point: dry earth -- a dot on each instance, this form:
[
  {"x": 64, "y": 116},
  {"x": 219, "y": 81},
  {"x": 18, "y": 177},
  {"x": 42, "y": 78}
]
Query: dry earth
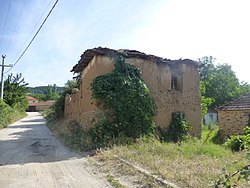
[{"x": 30, "y": 156}]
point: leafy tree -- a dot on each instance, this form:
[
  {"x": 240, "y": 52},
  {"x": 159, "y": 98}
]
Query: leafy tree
[
  {"x": 205, "y": 101},
  {"x": 52, "y": 93},
  {"x": 57, "y": 110},
  {"x": 207, "y": 67},
  {"x": 15, "y": 91},
  {"x": 220, "y": 82}
]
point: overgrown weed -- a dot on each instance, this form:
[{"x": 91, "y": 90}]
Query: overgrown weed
[{"x": 192, "y": 163}]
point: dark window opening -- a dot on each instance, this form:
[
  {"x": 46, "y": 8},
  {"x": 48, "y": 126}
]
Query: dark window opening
[
  {"x": 176, "y": 82},
  {"x": 173, "y": 82}
]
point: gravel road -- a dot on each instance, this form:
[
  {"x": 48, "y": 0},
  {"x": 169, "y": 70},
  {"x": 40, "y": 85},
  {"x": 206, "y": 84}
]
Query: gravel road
[{"x": 30, "y": 156}]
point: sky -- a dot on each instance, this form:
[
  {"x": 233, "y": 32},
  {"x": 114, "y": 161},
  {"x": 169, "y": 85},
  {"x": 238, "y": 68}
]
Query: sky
[{"x": 171, "y": 29}]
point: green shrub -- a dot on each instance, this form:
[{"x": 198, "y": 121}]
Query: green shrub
[
  {"x": 211, "y": 134},
  {"x": 79, "y": 138},
  {"x": 5, "y": 114},
  {"x": 9, "y": 114},
  {"x": 56, "y": 111},
  {"x": 178, "y": 129},
  {"x": 239, "y": 142},
  {"x": 129, "y": 108}
]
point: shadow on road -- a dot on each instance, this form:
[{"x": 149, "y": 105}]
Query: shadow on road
[{"x": 30, "y": 141}]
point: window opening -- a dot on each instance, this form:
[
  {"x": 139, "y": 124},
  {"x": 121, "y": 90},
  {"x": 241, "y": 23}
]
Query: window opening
[{"x": 173, "y": 82}]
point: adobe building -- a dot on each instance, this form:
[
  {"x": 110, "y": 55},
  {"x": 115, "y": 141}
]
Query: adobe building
[
  {"x": 234, "y": 116},
  {"x": 174, "y": 85}
]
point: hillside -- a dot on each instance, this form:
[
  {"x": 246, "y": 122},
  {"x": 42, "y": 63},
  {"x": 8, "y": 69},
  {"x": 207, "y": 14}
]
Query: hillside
[{"x": 44, "y": 89}]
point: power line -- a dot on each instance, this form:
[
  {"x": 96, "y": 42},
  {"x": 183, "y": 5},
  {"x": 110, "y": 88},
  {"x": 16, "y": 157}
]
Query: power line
[
  {"x": 33, "y": 28},
  {"x": 5, "y": 22},
  {"x": 34, "y": 36},
  {"x": 18, "y": 19}
]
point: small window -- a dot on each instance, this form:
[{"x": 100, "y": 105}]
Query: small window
[
  {"x": 173, "y": 82},
  {"x": 176, "y": 82}
]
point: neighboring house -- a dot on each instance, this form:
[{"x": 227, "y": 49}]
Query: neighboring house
[
  {"x": 174, "y": 85},
  {"x": 234, "y": 116},
  {"x": 35, "y": 106},
  {"x": 31, "y": 99},
  {"x": 211, "y": 118}
]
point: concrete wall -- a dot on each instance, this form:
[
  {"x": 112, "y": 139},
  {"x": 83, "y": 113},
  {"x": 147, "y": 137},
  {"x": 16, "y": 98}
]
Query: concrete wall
[
  {"x": 157, "y": 76},
  {"x": 232, "y": 122}
]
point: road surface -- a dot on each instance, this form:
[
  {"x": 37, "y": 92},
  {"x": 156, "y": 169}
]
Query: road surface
[{"x": 30, "y": 156}]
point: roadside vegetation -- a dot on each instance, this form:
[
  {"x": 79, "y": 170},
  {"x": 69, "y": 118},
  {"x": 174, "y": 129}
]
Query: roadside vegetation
[
  {"x": 45, "y": 93},
  {"x": 14, "y": 104},
  {"x": 126, "y": 132}
]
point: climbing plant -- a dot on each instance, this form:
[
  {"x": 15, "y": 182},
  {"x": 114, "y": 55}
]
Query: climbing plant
[
  {"x": 178, "y": 129},
  {"x": 124, "y": 97}
]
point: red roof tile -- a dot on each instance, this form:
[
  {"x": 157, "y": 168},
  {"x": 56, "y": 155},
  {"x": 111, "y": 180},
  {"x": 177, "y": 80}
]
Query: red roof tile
[{"x": 31, "y": 98}]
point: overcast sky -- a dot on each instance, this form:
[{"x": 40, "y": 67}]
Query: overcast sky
[{"x": 168, "y": 28}]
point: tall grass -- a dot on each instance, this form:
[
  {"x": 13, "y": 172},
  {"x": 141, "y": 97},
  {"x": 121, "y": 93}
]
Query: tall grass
[{"x": 193, "y": 163}]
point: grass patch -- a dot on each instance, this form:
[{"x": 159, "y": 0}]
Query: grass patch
[
  {"x": 190, "y": 164},
  {"x": 193, "y": 163},
  {"x": 114, "y": 182}
]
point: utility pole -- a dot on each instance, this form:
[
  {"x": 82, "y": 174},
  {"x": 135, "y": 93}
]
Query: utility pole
[{"x": 2, "y": 81}]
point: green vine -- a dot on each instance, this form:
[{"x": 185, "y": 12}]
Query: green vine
[
  {"x": 129, "y": 108},
  {"x": 178, "y": 129}
]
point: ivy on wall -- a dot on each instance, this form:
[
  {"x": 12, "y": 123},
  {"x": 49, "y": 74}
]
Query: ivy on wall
[{"x": 129, "y": 109}]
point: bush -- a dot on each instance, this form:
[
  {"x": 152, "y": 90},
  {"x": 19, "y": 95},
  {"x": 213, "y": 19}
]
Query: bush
[
  {"x": 211, "y": 134},
  {"x": 9, "y": 114},
  {"x": 56, "y": 111},
  {"x": 239, "y": 142},
  {"x": 5, "y": 114},
  {"x": 79, "y": 138},
  {"x": 178, "y": 129}
]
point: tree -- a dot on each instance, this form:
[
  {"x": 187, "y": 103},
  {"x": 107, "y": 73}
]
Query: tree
[
  {"x": 15, "y": 91},
  {"x": 205, "y": 101},
  {"x": 57, "y": 110},
  {"x": 52, "y": 93},
  {"x": 207, "y": 67},
  {"x": 220, "y": 82}
]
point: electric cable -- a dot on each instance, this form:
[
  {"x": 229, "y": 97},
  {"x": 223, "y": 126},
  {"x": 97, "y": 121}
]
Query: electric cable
[
  {"x": 14, "y": 30},
  {"x": 6, "y": 17},
  {"x": 33, "y": 37},
  {"x": 33, "y": 30}
]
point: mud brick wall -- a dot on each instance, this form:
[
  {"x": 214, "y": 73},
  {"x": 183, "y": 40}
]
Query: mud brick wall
[
  {"x": 186, "y": 98},
  {"x": 232, "y": 122}
]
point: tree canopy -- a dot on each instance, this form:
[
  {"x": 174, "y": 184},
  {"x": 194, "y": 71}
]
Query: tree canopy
[
  {"x": 15, "y": 91},
  {"x": 219, "y": 82}
]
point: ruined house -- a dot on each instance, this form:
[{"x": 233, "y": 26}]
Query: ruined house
[
  {"x": 234, "y": 116},
  {"x": 174, "y": 85}
]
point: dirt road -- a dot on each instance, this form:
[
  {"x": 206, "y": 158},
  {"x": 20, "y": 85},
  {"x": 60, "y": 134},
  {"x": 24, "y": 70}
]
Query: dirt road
[{"x": 30, "y": 156}]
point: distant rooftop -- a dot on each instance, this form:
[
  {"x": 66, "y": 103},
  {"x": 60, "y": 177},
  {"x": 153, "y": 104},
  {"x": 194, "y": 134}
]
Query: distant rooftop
[
  {"x": 88, "y": 55},
  {"x": 243, "y": 103},
  {"x": 31, "y": 98}
]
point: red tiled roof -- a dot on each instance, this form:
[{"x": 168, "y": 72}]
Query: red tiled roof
[
  {"x": 31, "y": 98},
  {"x": 243, "y": 103}
]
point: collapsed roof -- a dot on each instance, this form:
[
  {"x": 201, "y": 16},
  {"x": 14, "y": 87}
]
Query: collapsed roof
[{"x": 88, "y": 55}]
